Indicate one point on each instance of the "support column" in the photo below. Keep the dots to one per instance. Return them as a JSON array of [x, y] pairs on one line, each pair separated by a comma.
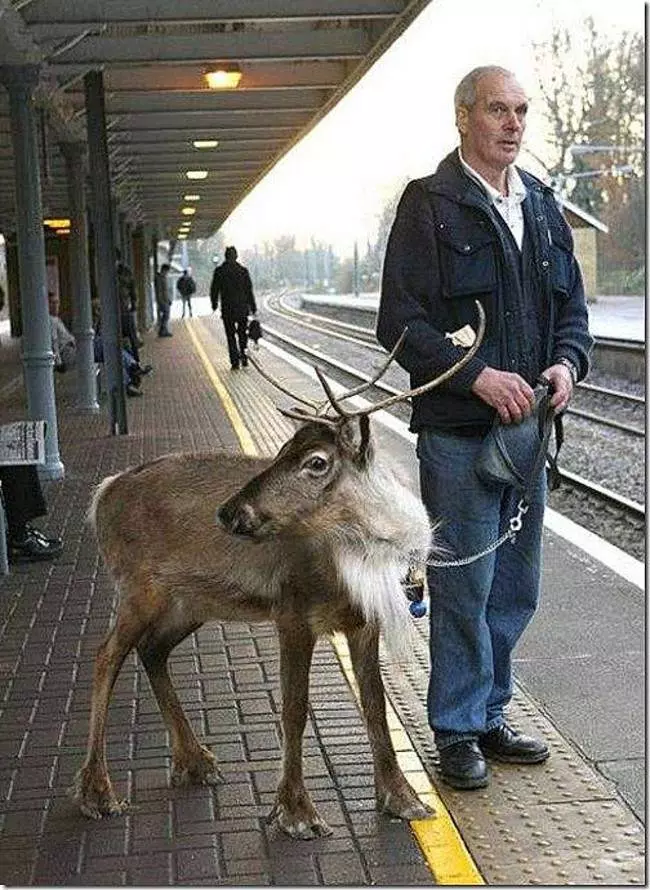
[[37, 355], [105, 250], [82, 319]]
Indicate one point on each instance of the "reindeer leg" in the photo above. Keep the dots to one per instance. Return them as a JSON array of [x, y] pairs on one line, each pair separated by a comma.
[[92, 788], [293, 808], [192, 762], [394, 794]]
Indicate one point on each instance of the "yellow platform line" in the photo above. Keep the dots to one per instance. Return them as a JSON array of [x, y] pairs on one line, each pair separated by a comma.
[[442, 846], [240, 428], [440, 841]]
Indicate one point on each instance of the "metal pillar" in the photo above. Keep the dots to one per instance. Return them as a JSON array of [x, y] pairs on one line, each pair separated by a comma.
[[37, 355], [82, 319], [122, 237], [105, 250]]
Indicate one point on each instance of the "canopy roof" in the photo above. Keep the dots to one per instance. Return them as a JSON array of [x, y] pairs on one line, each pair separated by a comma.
[[297, 59]]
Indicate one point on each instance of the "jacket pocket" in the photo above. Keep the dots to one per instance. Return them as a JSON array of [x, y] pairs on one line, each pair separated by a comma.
[[561, 260], [468, 261]]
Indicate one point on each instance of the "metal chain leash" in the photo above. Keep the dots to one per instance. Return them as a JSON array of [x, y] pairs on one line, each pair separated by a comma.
[[514, 527]]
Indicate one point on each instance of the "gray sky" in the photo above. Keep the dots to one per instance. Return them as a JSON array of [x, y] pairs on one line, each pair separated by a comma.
[[398, 121]]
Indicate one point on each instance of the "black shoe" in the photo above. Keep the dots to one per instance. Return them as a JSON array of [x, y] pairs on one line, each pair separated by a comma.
[[463, 766], [244, 361], [132, 391], [143, 371], [234, 367], [509, 746], [34, 547]]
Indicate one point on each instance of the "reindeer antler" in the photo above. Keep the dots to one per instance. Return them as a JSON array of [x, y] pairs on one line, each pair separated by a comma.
[[314, 405], [335, 403], [419, 390]]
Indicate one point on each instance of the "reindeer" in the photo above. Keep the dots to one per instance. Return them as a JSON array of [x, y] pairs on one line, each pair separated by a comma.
[[317, 540]]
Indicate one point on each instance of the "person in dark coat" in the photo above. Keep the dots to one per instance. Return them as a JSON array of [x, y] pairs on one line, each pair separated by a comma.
[[24, 501], [481, 229], [232, 284], [186, 287]]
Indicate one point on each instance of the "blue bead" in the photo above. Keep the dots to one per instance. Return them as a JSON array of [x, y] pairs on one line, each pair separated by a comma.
[[417, 610]]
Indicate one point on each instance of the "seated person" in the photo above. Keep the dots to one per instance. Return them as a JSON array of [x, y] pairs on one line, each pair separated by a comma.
[[64, 345], [132, 371], [23, 500]]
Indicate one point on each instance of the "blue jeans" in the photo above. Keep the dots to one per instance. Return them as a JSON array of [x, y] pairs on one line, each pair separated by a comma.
[[479, 611]]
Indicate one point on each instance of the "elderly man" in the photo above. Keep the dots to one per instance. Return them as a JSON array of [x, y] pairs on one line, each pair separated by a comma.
[[481, 229]]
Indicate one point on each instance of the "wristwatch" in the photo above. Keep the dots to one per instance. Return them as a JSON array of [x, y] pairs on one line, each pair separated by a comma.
[[573, 371]]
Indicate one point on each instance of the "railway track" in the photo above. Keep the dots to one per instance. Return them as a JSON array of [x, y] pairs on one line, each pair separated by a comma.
[[587, 394], [615, 516]]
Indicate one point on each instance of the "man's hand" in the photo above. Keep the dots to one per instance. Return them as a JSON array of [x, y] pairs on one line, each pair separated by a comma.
[[509, 393], [560, 377]]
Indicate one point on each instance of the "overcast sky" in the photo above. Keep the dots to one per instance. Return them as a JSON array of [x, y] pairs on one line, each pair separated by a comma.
[[398, 121]]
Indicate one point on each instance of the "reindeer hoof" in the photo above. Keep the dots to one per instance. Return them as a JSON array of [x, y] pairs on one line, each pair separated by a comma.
[[405, 806], [200, 769], [303, 827], [96, 800]]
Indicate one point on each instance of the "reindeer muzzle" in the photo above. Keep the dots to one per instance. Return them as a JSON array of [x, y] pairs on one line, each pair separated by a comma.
[[238, 518]]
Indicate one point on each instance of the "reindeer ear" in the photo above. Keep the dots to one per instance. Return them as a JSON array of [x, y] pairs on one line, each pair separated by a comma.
[[365, 452]]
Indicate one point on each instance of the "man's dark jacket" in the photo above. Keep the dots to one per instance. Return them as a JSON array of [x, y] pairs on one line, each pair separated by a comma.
[[449, 247], [232, 283]]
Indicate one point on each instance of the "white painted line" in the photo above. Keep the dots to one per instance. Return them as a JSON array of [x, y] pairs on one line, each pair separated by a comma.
[[633, 570], [615, 559]]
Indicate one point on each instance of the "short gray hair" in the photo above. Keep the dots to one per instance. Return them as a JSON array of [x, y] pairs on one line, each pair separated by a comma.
[[465, 95]]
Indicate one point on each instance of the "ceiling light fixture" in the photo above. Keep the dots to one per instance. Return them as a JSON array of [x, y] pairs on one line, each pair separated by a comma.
[[223, 77], [58, 223], [205, 143], [197, 174], [191, 197], [188, 211]]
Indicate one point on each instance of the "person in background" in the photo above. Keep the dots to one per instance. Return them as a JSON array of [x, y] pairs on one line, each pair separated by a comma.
[[164, 300], [132, 371], [127, 299], [64, 345], [186, 287], [481, 229], [232, 284], [24, 501]]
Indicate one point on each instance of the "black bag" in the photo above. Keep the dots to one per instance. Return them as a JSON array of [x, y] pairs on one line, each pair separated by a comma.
[[254, 330], [515, 453]]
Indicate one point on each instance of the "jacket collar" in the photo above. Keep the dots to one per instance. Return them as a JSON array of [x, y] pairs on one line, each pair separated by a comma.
[[451, 181]]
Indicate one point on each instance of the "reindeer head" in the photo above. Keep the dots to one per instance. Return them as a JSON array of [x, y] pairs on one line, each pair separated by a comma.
[[328, 458]]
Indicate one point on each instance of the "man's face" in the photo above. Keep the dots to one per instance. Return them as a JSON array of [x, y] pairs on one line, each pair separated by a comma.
[[493, 128]]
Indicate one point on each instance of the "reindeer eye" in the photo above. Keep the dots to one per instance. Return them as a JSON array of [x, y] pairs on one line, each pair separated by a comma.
[[316, 464]]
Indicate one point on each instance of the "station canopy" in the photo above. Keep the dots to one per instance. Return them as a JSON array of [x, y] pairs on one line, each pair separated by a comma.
[[295, 60]]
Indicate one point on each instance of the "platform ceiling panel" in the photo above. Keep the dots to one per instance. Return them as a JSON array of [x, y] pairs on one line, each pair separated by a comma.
[[297, 58]]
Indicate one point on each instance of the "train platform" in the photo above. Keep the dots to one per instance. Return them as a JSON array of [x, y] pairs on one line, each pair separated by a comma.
[[565, 822]]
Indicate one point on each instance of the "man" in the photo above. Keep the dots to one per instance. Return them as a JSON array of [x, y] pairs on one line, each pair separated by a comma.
[[186, 286], [64, 345], [23, 501], [232, 283], [164, 300], [479, 228], [127, 299]]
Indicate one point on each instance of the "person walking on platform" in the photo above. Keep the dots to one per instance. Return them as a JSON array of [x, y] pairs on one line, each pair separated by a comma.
[[232, 283], [481, 228], [164, 300], [186, 286]]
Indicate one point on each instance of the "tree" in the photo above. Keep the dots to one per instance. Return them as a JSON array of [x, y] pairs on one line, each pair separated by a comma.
[[592, 88]]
